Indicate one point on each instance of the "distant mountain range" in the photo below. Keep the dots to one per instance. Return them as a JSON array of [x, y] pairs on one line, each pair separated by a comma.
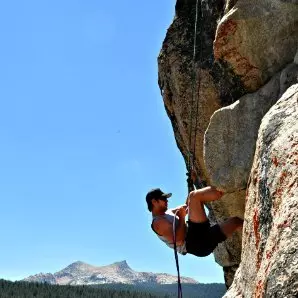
[[119, 276], [80, 273]]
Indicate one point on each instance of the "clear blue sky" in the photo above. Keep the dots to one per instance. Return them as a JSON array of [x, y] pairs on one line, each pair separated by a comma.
[[84, 135]]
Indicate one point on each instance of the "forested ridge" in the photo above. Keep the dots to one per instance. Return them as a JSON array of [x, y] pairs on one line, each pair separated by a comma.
[[21, 289], [39, 290]]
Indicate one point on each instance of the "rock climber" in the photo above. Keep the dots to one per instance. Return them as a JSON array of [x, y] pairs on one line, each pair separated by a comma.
[[196, 236]]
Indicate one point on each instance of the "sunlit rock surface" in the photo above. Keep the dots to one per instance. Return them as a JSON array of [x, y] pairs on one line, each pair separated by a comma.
[[269, 266], [246, 58]]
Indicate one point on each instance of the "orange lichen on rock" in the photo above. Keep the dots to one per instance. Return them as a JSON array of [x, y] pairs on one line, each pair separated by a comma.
[[222, 36], [283, 176], [226, 47], [259, 290], [275, 161], [256, 223], [285, 224]]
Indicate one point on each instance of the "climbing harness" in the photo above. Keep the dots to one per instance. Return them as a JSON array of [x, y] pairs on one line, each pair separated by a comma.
[[191, 155]]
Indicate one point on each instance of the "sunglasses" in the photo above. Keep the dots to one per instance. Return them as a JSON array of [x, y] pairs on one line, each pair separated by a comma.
[[163, 199]]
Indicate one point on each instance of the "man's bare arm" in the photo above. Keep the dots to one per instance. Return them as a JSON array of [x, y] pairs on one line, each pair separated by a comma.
[[165, 229], [174, 210]]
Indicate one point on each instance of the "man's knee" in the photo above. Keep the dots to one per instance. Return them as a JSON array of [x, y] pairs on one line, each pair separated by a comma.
[[194, 196], [191, 194]]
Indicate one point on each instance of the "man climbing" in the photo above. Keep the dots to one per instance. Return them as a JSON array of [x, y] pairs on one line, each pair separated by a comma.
[[197, 237]]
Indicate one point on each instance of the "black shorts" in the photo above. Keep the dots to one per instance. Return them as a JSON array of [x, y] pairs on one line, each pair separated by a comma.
[[202, 238]]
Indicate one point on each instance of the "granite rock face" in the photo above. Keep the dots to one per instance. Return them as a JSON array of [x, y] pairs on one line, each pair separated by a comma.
[[254, 36], [183, 79], [246, 58], [269, 266], [232, 132]]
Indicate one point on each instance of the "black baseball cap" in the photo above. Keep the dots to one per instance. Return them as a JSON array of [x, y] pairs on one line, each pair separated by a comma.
[[156, 194]]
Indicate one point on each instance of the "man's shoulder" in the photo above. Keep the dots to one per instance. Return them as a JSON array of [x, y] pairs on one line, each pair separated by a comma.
[[159, 223]]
